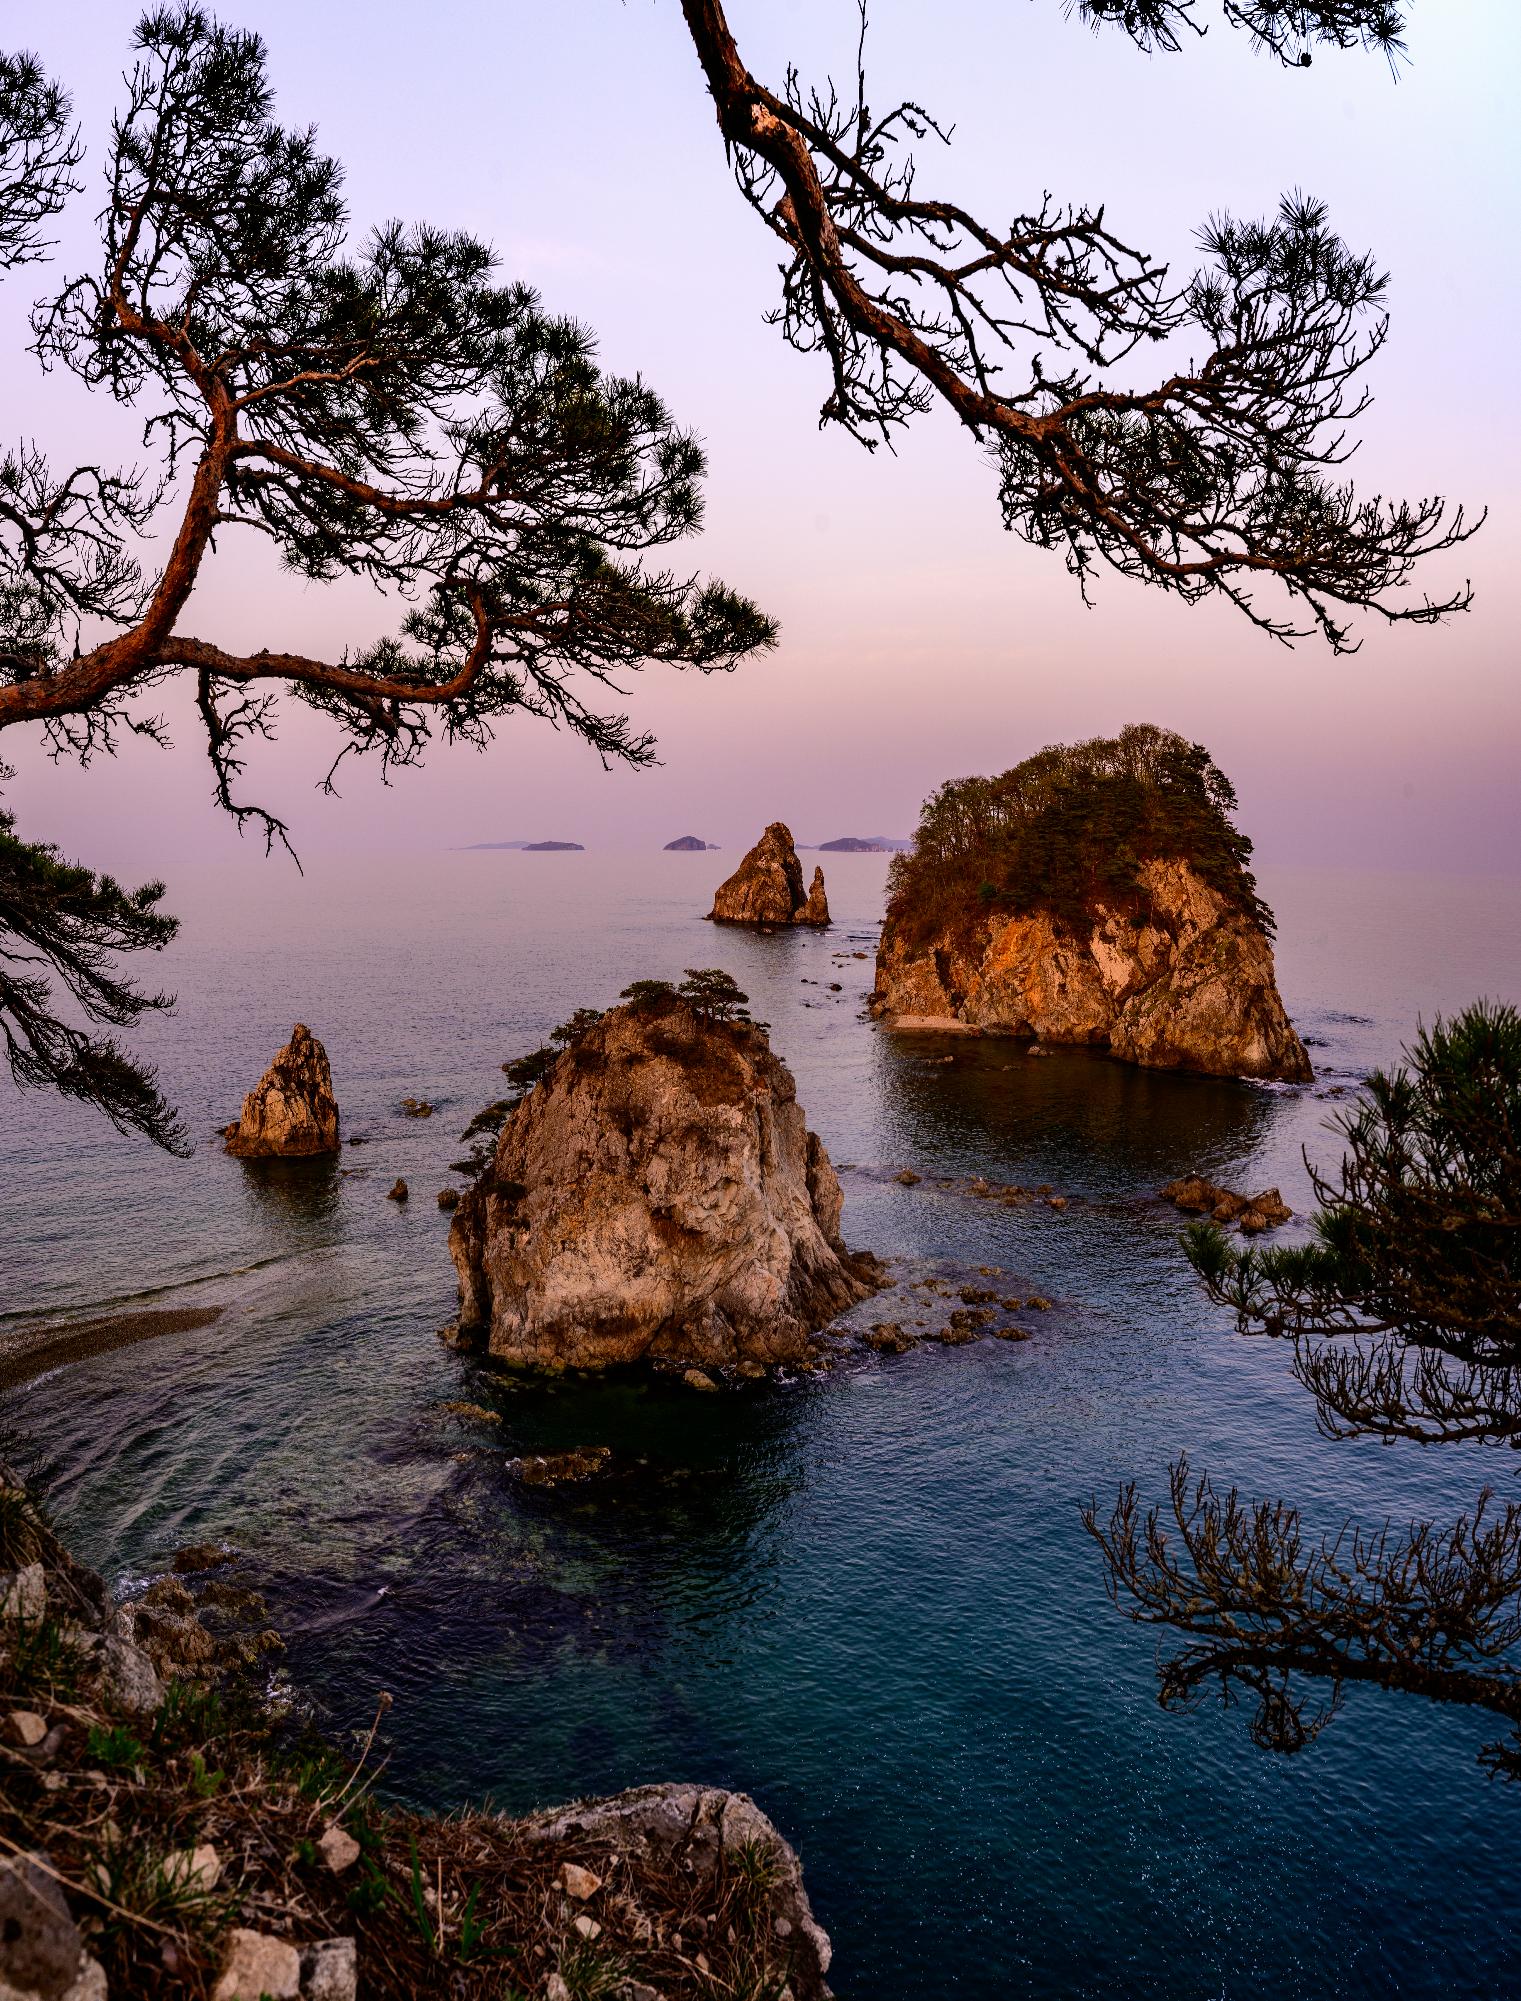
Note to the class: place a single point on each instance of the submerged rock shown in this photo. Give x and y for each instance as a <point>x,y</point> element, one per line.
<point>1253,1213</point>
<point>291,1113</point>
<point>560,1469</point>
<point>767,887</point>
<point>657,1196</point>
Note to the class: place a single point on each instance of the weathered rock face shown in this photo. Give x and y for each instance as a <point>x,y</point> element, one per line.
<point>292,1112</point>
<point>767,887</point>
<point>1192,989</point>
<point>657,1196</point>
<point>693,1832</point>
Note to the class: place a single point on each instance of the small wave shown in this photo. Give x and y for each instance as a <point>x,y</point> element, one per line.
<point>67,1316</point>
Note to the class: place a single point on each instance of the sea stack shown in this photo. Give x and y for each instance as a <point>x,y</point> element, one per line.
<point>767,887</point>
<point>1096,894</point>
<point>658,1196</point>
<point>291,1113</point>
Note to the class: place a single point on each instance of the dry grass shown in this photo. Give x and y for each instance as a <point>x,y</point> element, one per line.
<point>468,1905</point>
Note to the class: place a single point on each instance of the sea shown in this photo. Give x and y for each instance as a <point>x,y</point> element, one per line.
<point>865,1597</point>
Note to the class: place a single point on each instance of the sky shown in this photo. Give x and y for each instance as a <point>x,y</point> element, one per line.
<point>919,641</point>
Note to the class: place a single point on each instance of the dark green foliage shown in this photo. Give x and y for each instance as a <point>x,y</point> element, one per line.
<point>572,1030</point>
<point>114,1747</point>
<point>59,921</point>
<point>1416,1246</point>
<point>648,993</point>
<point>39,152</point>
<point>714,994</point>
<point>382,406</point>
<point>46,1664</point>
<point>1404,1309</point>
<point>1069,829</point>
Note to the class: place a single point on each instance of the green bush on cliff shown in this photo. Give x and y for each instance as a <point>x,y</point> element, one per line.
<point>1070,828</point>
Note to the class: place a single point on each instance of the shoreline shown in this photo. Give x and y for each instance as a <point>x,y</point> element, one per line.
<point>29,1352</point>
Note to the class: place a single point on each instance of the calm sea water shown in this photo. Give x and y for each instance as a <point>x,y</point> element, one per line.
<point>866,1599</point>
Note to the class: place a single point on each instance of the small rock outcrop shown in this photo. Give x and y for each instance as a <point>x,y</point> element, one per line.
<point>292,1112</point>
<point>1252,1213</point>
<point>692,1833</point>
<point>687,844</point>
<point>767,887</point>
<point>1096,894</point>
<point>657,1196</point>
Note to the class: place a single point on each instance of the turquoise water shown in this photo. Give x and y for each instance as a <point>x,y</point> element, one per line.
<point>867,1598</point>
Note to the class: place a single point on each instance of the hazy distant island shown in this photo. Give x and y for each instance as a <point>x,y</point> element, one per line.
<point>864,844</point>
<point>688,844</point>
<point>526,847</point>
<point>1098,894</point>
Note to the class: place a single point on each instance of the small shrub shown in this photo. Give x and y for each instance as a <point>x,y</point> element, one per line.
<point>45,1665</point>
<point>114,1748</point>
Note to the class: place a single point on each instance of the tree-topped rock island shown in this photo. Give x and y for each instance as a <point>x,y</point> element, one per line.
<point>767,887</point>
<point>654,1195</point>
<point>1098,893</point>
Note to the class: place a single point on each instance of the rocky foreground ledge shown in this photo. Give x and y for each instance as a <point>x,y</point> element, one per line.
<point>164,1831</point>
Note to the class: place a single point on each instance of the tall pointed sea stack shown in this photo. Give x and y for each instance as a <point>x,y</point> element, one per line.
<point>291,1113</point>
<point>767,887</point>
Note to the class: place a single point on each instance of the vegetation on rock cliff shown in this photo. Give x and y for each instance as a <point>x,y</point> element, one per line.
<point>1404,1309</point>
<point>1068,830</point>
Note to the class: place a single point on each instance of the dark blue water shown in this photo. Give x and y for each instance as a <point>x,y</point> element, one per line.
<point>867,1598</point>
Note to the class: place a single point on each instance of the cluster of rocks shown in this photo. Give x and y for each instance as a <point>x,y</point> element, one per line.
<point>767,887</point>
<point>1252,1214</point>
<point>1008,1194</point>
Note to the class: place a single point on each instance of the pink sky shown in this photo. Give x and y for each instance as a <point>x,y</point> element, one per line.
<point>919,641</point>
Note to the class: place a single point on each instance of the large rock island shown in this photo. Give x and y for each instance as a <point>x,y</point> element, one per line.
<point>656,1196</point>
<point>291,1112</point>
<point>767,887</point>
<point>1097,893</point>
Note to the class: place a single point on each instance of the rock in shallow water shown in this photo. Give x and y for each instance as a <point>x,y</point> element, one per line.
<point>658,1196</point>
<point>767,887</point>
<point>291,1113</point>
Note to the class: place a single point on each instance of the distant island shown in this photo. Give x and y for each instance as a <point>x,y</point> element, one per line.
<point>688,844</point>
<point>865,844</point>
<point>552,847</point>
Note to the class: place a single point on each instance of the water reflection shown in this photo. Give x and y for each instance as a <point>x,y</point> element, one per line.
<point>293,1194</point>
<point>1074,1116</point>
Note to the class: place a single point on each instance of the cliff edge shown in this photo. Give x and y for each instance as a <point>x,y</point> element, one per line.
<point>1096,894</point>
